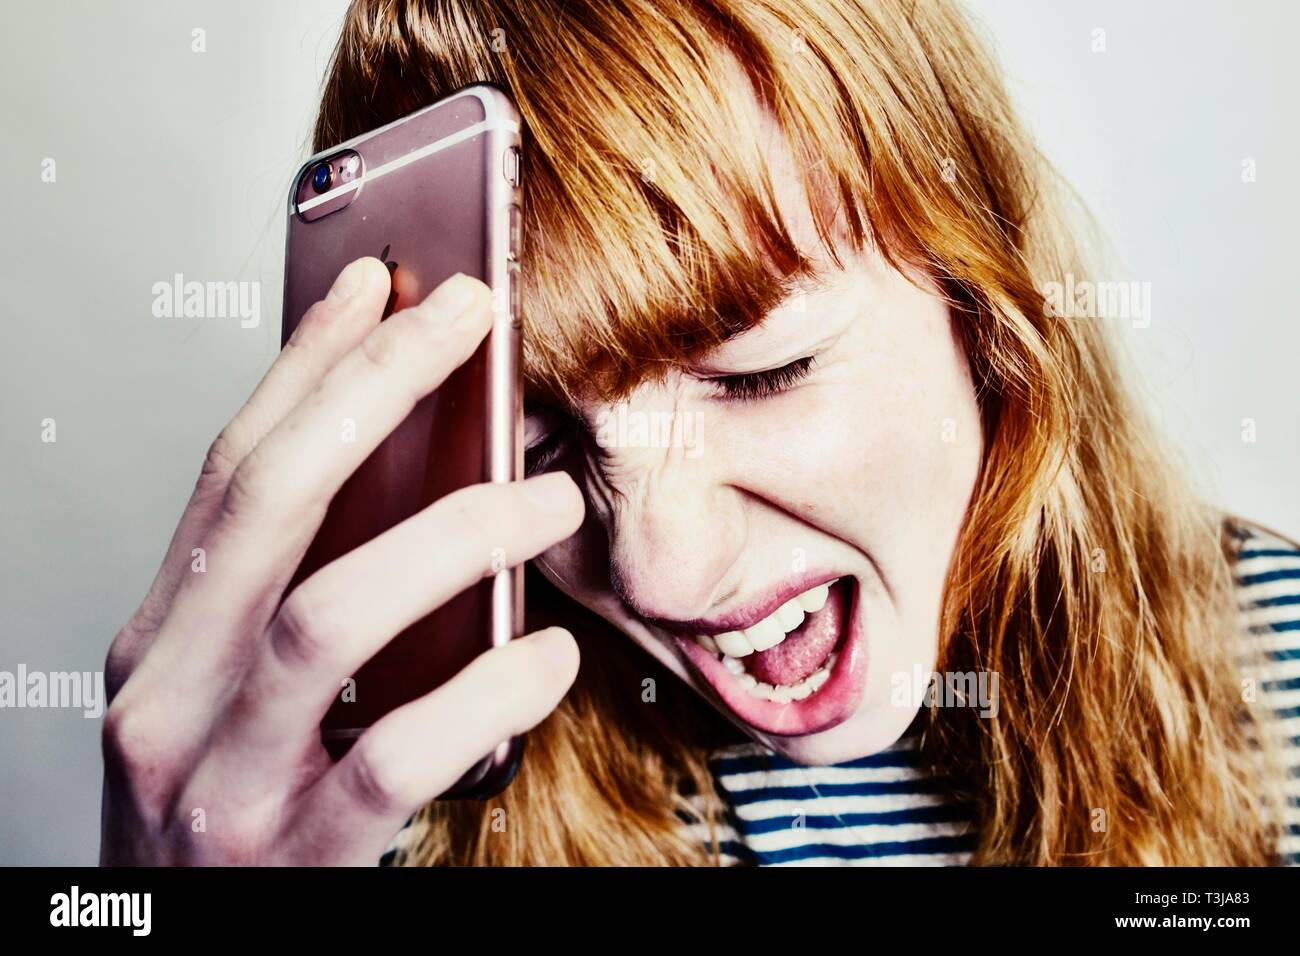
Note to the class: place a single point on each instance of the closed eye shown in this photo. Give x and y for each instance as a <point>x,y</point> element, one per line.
<point>752,386</point>
<point>542,454</point>
<point>554,431</point>
<point>550,432</point>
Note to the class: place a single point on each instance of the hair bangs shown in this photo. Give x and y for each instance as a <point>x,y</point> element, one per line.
<point>660,237</point>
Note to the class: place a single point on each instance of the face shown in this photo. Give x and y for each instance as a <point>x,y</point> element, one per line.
<point>774,522</point>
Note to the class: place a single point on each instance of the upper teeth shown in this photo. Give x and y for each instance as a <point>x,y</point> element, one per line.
<point>770,631</point>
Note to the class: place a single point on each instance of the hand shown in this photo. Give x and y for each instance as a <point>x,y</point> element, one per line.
<point>211,743</point>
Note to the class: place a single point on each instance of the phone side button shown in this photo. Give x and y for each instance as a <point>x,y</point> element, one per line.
<point>511,166</point>
<point>513,292</point>
<point>515,231</point>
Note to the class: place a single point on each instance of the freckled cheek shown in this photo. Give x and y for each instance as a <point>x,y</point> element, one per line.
<point>895,453</point>
<point>791,450</point>
<point>904,456</point>
<point>806,450</point>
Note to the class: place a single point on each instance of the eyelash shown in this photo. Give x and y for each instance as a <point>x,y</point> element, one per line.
<point>753,386</point>
<point>749,387</point>
<point>542,454</point>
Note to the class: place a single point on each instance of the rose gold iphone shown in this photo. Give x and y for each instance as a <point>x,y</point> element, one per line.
<point>432,194</point>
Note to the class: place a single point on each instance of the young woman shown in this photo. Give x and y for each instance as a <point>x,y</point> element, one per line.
<point>907,577</point>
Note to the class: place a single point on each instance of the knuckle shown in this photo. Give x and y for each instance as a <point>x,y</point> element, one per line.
<point>318,312</point>
<point>383,347</point>
<point>134,750</point>
<point>221,460</point>
<point>301,633</point>
<point>433,327</point>
<point>121,733</point>
<point>248,488</point>
<point>377,783</point>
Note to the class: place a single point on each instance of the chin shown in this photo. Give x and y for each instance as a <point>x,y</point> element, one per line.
<point>874,728</point>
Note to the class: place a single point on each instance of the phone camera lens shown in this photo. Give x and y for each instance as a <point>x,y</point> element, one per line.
<point>322,177</point>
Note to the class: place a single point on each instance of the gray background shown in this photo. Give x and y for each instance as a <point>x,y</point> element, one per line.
<point>173,161</point>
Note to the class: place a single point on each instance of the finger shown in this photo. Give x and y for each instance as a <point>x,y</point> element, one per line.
<point>278,495</point>
<point>295,471</point>
<point>420,750</point>
<point>327,331</point>
<point>342,615</point>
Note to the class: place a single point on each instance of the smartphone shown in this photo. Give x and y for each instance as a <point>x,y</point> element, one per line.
<point>432,194</point>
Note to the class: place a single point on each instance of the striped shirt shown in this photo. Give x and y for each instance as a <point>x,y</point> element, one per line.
<point>890,810</point>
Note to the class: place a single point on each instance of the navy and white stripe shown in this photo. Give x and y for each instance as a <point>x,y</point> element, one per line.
<point>889,810</point>
<point>1268,586</point>
<point>882,810</point>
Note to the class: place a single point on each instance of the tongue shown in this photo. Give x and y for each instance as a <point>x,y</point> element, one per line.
<point>804,650</point>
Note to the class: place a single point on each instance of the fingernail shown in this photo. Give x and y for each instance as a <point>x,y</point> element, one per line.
<point>348,282</point>
<point>553,491</point>
<point>556,645</point>
<point>453,296</point>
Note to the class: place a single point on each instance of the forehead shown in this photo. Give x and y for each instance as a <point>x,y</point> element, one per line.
<point>801,187</point>
<point>742,242</point>
<point>673,213</point>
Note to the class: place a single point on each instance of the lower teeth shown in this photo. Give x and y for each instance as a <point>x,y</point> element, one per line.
<point>783,693</point>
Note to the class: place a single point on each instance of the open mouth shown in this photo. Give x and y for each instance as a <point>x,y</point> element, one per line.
<point>797,670</point>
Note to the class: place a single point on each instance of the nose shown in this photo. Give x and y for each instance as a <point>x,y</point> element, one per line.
<point>674,542</point>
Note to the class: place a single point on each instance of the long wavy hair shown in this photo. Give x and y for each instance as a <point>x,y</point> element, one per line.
<point>1086,574</point>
